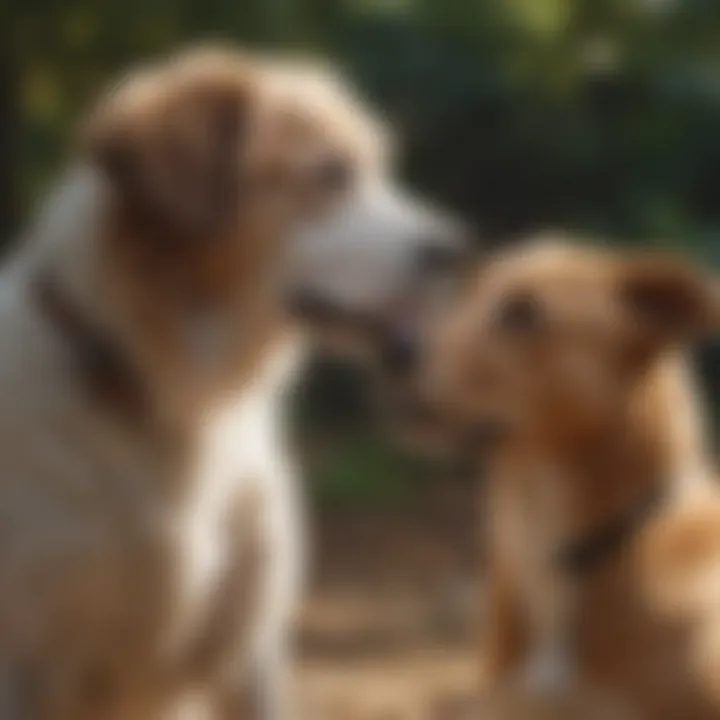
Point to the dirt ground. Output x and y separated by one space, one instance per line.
388 631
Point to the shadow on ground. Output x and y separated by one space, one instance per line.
387 633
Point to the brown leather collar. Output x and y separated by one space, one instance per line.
103 367
588 553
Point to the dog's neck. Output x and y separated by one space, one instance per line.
66 244
655 439
544 501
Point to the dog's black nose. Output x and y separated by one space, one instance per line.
444 254
400 354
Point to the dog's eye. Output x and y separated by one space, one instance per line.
334 174
518 314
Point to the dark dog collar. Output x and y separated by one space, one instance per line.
102 365
590 551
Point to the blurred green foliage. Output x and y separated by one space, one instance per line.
599 115
364 469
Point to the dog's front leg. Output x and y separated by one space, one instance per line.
258 687
263 695
504 633
280 581
273 683
272 660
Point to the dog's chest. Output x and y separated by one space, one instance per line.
225 507
531 520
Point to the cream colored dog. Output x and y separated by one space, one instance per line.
150 536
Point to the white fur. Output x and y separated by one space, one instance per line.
365 252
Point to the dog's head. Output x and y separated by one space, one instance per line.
549 340
242 186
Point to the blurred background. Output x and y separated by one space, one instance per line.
602 116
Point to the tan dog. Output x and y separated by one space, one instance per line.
564 366
150 539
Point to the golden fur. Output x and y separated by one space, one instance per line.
566 363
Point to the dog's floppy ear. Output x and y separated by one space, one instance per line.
670 301
172 147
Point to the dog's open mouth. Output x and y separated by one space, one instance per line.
327 314
418 412
421 424
415 423
390 333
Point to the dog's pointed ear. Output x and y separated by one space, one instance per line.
670 301
172 147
